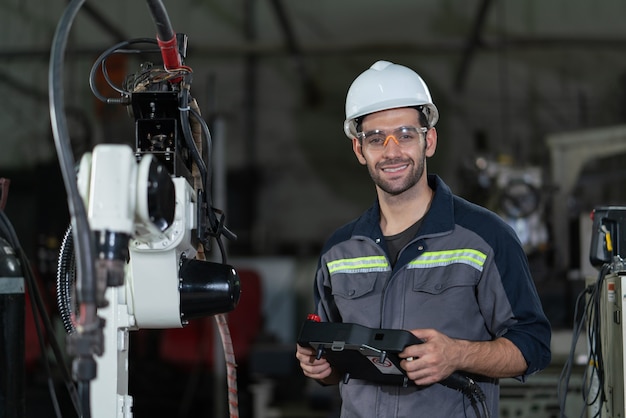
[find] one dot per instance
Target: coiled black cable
(66, 279)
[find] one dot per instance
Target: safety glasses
(404, 136)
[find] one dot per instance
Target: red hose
(231, 365)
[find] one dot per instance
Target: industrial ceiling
(272, 76)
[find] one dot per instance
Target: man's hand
(431, 361)
(439, 356)
(314, 368)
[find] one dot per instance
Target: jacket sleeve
(526, 326)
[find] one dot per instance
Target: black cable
(161, 20)
(80, 223)
(486, 412)
(591, 317)
(184, 110)
(84, 392)
(476, 395)
(471, 390)
(99, 63)
(595, 341)
(85, 246)
(563, 384)
(216, 226)
(222, 229)
(474, 406)
(592, 362)
(11, 238)
(40, 314)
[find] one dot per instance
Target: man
(424, 260)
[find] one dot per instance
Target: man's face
(400, 163)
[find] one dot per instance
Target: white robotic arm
(138, 216)
(143, 221)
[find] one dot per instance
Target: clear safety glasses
(404, 136)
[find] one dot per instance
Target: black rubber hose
(78, 214)
(161, 20)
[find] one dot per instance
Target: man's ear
(358, 151)
(431, 142)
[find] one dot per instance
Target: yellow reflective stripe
(358, 265)
(467, 256)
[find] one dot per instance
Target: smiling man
(423, 259)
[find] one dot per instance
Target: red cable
(231, 365)
(169, 52)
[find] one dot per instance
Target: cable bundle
(593, 385)
(42, 321)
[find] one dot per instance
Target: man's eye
(376, 139)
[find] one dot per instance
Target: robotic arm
(143, 221)
(149, 222)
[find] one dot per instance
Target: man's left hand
(431, 361)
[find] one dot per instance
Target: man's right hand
(314, 368)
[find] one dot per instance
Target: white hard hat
(383, 86)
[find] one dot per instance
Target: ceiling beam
(435, 48)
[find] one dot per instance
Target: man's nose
(391, 146)
(390, 138)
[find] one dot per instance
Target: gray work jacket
(464, 274)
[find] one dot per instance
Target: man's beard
(393, 188)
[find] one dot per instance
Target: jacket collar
(438, 220)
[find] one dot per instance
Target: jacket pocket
(352, 286)
(462, 278)
(357, 297)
